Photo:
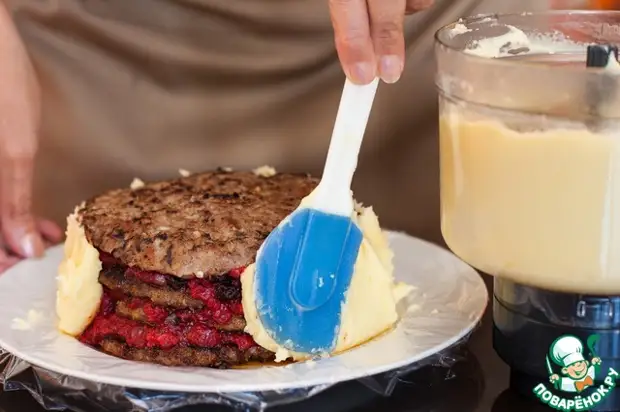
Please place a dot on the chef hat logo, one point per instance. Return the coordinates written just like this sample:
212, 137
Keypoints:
567, 350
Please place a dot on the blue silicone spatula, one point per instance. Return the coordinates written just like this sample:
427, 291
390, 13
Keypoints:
304, 267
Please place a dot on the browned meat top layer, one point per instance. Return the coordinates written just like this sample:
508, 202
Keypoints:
209, 223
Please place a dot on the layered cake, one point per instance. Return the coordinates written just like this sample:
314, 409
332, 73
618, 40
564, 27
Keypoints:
163, 272
168, 257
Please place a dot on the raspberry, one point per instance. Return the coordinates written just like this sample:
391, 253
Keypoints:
203, 291
136, 337
151, 338
213, 303
87, 337
115, 325
204, 315
200, 335
185, 316
168, 340
161, 339
206, 292
154, 314
135, 303
107, 305
96, 331
236, 308
165, 336
107, 259
222, 315
242, 341
237, 272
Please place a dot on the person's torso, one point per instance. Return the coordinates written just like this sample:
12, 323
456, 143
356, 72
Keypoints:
143, 88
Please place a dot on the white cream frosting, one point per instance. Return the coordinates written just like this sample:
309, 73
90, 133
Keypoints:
370, 303
265, 171
136, 184
78, 289
32, 319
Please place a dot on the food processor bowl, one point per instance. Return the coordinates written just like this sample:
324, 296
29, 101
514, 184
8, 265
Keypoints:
530, 187
530, 150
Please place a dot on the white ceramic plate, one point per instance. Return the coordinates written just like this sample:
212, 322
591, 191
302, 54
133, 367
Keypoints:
449, 299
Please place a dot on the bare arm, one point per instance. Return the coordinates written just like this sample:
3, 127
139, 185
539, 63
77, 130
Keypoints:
19, 122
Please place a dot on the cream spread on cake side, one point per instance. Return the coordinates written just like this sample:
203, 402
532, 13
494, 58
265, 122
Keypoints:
78, 289
370, 303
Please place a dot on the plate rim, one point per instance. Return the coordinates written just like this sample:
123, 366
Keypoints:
259, 387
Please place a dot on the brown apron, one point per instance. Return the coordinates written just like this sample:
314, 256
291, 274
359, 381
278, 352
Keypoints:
143, 88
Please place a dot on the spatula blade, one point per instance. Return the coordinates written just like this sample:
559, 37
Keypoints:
303, 272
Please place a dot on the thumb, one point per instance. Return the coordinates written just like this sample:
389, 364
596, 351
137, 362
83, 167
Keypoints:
18, 224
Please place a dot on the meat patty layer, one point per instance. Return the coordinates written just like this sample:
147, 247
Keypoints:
222, 357
151, 317
168, 336
202, 225
154, 298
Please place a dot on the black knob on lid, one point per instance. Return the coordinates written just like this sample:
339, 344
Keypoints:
598, 55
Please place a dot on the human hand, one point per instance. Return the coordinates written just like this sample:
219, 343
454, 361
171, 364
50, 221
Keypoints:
21, 235
369, 36
554, 378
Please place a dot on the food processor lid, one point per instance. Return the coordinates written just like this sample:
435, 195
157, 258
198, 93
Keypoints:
531, 34
531, 62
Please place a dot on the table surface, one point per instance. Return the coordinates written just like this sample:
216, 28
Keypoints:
477, 382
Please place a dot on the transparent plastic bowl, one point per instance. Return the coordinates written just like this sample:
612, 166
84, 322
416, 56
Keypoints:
530, 149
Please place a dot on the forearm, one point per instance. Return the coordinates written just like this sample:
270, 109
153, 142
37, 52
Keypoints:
19, 94
12, 51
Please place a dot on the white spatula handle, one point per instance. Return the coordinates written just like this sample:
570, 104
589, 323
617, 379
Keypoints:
351, 120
